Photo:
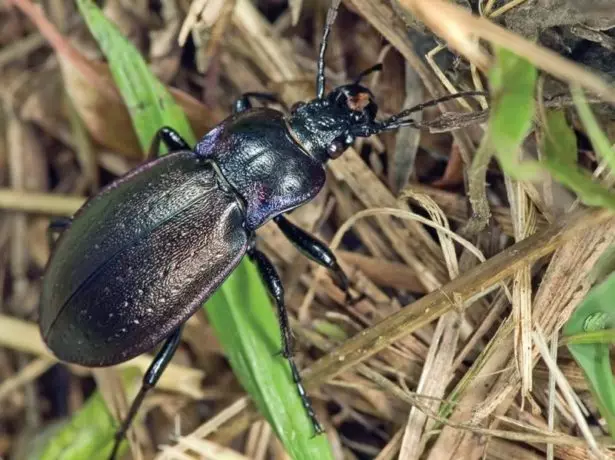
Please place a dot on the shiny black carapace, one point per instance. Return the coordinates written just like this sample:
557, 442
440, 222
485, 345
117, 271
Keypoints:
138, 259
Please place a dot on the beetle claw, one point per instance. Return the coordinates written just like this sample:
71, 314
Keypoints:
287, 351
318, 429
280, 352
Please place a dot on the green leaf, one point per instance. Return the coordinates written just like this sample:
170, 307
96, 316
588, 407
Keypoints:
512, 80
599, 141
240, 311
596, 314
559, 141
150, 105
604, 267
90, 432
601, 336
581, 183
560, 151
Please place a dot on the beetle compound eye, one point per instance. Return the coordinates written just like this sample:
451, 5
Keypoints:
371, 110
335, 150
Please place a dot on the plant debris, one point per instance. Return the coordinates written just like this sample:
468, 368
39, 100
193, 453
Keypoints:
467, 272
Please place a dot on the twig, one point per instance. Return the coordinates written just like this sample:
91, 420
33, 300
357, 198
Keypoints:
464, 288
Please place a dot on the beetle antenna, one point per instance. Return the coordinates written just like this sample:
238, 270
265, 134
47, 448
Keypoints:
424, 105
399, 120
320, 76
366, 72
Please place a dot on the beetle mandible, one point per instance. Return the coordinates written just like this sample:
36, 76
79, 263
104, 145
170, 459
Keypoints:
147, 251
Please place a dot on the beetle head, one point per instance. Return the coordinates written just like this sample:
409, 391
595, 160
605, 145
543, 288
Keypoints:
327, 125
355, 106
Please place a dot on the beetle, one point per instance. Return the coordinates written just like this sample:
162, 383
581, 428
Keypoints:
141, 256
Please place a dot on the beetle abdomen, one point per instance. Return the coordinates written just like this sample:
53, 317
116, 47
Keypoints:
113, 299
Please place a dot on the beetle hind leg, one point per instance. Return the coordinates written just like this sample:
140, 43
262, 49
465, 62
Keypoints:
276, 289
151, 377
56, 227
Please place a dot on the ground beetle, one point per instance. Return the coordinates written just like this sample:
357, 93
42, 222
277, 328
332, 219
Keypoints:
140, 257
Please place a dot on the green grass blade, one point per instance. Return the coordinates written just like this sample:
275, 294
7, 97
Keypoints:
240, 311
593, 315
604, 267
601, 336
560, 158
251, 338
512, 80
599, 141
150, 105
559, 140
90, 432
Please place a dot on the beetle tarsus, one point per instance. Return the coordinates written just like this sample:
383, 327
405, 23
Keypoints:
151, 377
169, 137
305, 399
243, 103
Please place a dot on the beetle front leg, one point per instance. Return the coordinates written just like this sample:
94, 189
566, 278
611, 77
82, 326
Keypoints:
56, 227
170, 138
315, 250
151, 377
276, 289
243, 103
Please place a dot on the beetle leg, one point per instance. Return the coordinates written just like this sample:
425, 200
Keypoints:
56, 228
276, 289
170, 138
315, 250
243, 103
151, 377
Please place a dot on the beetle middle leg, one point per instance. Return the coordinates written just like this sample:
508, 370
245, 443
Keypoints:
276, 289
243, 103
317, 251
169, 137
151, 377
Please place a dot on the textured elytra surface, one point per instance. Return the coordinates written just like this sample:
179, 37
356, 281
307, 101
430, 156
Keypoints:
138, 260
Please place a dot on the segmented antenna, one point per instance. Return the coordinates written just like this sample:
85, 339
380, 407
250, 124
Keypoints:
320, 76
372, 69
433, 102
